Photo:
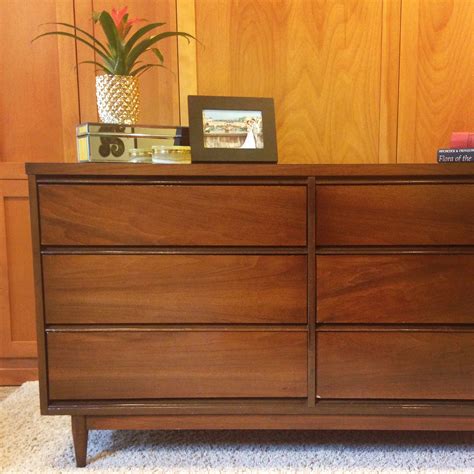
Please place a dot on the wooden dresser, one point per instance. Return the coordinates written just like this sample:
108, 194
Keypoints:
255, 296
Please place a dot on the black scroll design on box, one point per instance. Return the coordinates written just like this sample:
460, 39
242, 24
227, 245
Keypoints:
111, 145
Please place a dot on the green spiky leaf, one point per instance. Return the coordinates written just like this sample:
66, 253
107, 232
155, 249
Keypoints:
158, 54
139, 33
140, 70
70, 35
140, 48
119, 57
110, 31
101, 66
85, 33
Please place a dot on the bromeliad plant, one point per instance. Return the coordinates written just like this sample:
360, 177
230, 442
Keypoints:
118, 98
121, 54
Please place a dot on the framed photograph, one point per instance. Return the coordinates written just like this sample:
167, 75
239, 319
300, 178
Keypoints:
232, 129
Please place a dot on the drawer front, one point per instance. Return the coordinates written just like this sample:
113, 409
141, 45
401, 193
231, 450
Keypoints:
175, 289
176, 364
395, 215
172, 215
395, 365
395, 289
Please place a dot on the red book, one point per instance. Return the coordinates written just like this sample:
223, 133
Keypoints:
462, 140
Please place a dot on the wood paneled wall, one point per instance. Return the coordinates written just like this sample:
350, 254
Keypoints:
436, 76
320, 60
45, 94
335, 68
354, 81
39, 104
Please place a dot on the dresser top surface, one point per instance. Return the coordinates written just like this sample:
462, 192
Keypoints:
249, 170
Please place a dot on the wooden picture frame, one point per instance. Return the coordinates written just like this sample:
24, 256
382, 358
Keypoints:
232, 129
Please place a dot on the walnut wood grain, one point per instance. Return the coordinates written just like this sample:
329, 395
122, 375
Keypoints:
263, 406
217, 373
395, 215
280, 422
390, 365
406, 172
38, 282
195, 364
311, 300
80, 436
395, 289
258, 289
172, 215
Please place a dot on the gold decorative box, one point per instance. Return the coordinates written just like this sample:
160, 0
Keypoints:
111, 142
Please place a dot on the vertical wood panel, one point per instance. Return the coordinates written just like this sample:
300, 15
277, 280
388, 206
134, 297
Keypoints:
20, 266
85, 72
321, 60
37, 105
159, 87
389, 79
436, 76
186, 17
16, 273
68, 83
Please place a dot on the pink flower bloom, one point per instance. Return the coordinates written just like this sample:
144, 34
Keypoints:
122, 22
117, 15
134, 20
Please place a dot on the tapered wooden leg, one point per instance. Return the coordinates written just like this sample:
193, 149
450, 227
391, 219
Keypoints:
79, 436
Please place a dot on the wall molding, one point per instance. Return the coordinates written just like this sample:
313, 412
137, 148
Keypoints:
12, 170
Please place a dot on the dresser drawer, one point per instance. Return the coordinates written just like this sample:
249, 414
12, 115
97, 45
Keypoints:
395, 365
395, 289
175, 289
176, 364
174, 215
395, 214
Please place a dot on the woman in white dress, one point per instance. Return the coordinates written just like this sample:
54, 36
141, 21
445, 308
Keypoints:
250, 138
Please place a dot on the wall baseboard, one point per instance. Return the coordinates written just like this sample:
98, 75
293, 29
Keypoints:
18, 371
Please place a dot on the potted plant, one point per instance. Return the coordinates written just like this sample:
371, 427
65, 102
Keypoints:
120, 60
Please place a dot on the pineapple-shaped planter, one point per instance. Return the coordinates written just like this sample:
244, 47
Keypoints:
118, 99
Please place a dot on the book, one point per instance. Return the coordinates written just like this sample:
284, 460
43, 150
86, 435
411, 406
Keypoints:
456, 155
462, 140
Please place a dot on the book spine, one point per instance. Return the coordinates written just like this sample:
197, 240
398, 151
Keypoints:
462, 140
456, 155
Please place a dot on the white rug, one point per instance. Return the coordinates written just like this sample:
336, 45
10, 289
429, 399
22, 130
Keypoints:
43, 444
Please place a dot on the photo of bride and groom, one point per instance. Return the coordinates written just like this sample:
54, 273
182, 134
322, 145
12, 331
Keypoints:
232, 129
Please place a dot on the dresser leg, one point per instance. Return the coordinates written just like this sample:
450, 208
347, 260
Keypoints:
79, 436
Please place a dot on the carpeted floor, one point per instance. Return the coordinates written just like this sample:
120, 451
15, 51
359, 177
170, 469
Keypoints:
31, 443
